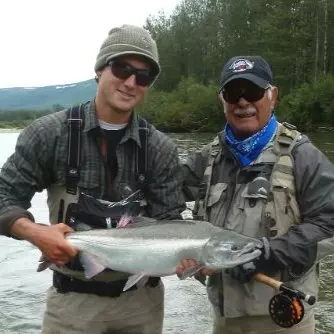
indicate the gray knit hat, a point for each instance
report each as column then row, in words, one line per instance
column 128, row 40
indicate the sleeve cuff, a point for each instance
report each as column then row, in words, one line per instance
column 8, row 218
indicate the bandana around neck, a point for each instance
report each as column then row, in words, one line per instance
column 248, row 150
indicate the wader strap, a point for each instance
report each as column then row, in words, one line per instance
column 75, row 124
column 141, row 154
column 286, row 138
column 64, row 284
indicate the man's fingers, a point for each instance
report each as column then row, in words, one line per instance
column 68, row 249
column 64, row 251
column 186, row 264
column 60, row 262
column 190, row 263
column 65, row 246
column 207, row 272
column 63, row 228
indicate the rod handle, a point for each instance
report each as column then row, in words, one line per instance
column 268, row 281
column 278, row 285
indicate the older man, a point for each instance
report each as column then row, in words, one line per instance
column 263, row 179
column 86, row 157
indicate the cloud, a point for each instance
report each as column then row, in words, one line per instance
column 56, row 42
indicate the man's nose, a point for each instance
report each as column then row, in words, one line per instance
column 243, row 103
column 130, row 81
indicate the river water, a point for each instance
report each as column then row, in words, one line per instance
column 23, row 290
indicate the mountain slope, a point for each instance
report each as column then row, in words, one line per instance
column 46, row 97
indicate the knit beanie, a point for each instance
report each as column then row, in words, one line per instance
column 128, row 40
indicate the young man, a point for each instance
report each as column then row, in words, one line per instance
column 263, row 179
column 114, row 155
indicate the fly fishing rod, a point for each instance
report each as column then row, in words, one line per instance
column 286, row 307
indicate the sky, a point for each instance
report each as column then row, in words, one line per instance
column 52, row 42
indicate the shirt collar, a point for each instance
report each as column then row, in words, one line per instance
column 91, row 122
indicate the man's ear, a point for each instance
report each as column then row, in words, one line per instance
column 97, row 76
column 274, row 96
column 220, row 97
column 221, row 100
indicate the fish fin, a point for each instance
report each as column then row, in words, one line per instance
column 91, row 264
column 189, row 272
column 124, row 221
column 139, row 279
column 42, row 258
column 44, row 263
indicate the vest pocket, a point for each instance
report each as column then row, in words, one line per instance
column 281, row 211
column 217, row 193
column 250, row 212
column 216, row 203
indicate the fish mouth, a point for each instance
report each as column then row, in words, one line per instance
column 233, row 255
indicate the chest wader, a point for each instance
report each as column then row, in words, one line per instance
column 88, row 212
column 280, row 210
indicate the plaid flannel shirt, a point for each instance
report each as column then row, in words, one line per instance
column 40, row 160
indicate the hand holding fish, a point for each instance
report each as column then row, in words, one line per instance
column 155, row 248
column 52, row 243
column 264, row 263
column 188, row 264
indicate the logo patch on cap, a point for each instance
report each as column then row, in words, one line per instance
column 241, row 65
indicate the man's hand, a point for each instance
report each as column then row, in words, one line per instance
column 52, row 243
column 50, row 239
column 188, row 264
column 243, row 273
column 265, row 263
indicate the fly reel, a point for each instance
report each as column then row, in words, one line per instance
column 286, row 310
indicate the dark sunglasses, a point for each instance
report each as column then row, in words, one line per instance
column 249, row 91
column 123, row 70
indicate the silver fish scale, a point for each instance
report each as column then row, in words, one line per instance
column 178, row 229
column 150, row 247
column 155, row 248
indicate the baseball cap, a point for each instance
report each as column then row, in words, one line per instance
column 253, row 68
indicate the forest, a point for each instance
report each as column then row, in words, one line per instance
column 295, row 36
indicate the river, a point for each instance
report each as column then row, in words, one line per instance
column 23, row 290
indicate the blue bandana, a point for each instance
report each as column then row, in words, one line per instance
column 248, row 150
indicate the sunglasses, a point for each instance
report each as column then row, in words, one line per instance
column 249, row 91
column 122, row 70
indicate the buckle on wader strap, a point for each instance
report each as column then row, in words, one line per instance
column 75, row 124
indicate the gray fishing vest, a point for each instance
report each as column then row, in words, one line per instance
column 269, row 211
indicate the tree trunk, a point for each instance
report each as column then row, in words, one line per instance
column 316, row 58
column 325, row 36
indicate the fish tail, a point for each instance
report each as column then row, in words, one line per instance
column 44, row 263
